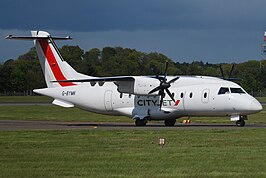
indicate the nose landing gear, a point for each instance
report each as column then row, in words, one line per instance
column 241, row 121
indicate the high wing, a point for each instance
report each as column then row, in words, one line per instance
column 137, row 85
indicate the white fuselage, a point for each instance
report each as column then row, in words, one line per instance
column 195, row 96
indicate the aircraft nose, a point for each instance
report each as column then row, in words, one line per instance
column 256, row 106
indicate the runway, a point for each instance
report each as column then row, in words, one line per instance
column 17, row 125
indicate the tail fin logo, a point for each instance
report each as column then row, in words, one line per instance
column 53, row 63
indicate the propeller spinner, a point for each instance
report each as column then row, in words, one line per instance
column 164, row 85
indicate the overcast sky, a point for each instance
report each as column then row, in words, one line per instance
column 213, row 31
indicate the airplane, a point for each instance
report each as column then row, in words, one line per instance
column 143, row 98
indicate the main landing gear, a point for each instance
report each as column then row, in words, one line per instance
column 169, row 122
column 141, row 122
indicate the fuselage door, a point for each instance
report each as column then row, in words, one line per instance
column 205, row 95
column 108, row 100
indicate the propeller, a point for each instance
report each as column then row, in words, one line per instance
column 230, row 73
column 164, row 85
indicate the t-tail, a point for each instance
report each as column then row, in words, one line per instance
column 53, row 65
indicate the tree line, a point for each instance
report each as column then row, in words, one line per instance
column 24, row 74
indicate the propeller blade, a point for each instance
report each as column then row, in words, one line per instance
column 155, row 89
column 222, row 71
column 161, row 101
column 173, row 80
column 231, row 71
column 166, row 68
column 170, row 94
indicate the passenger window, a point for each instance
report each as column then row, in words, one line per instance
column 237, row 90
column 205, row 95
column 181, row 95
column 223, row 90
column 190, row 95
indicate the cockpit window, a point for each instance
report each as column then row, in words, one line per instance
column 237, row 90
column 223, row 90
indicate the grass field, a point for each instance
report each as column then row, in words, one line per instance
column 238, row 152
column 25, row 99
column 55, row 113
column 100, row 153
column 261, row 99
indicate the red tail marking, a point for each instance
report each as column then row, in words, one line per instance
column 53, row 63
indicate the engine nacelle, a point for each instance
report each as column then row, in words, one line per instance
column 140, row 86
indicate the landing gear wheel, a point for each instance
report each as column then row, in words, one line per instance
column 169, row 122
column 140, row 122
column 240, row 123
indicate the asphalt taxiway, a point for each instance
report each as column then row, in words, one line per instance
column 16, row 125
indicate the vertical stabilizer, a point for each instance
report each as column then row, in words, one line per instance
column 53, row 65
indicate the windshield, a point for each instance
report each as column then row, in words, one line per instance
column 237, row 90
column 223, row 90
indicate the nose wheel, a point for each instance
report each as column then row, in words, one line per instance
column 240, row 123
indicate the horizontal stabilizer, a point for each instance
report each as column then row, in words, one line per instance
column 62, row 103
column 37, row 37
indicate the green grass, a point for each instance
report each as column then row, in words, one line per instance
column 101, row 153
column 261, row 99
column 55, row 113
column 25, row 99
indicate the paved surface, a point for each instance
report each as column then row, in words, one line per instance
column 51, row 125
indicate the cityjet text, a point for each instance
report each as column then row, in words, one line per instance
column 154, row 103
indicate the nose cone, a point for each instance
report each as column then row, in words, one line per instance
column 255, row 106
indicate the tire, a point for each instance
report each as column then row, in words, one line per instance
column 240, row 123
column 140, row 122
column 169, row 122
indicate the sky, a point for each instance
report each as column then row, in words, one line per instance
column 213, row 31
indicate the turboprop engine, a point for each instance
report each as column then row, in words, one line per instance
column 139, row 86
